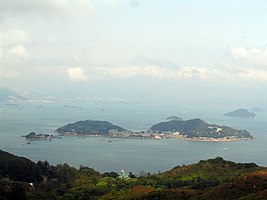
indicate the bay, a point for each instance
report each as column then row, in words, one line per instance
column 130, row 154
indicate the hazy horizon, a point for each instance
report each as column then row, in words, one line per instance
column 163, row 51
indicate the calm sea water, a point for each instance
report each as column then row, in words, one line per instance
column 130, row 154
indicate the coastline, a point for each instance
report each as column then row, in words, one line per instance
column 217, row 140
column 201, row 139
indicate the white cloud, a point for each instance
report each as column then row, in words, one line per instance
column 10, row 74
column 194, row 72
column 76, row 74
column 111, row 2
column 14, row 37
column 60, row 8
column 222, row 74
column 186, row 72
column 19, row 52
column 79, row 74
column 255, row 74
column 53, row 39
column 133, row 71
column 250, row 56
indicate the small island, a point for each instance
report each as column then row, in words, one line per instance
column 174, row 118
column 241, row 113
column 194, row 129
column 37, row 136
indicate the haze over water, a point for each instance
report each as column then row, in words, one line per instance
column 131, row 154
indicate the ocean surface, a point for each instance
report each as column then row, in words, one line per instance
column 134, row 155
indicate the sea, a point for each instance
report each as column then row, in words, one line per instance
column 135, row 155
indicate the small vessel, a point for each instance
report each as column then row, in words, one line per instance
column 109, row 140
column 28, row 142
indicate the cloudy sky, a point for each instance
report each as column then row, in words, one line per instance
column 143, row 50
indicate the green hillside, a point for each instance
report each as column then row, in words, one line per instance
column 18, row 168
column 208, row 179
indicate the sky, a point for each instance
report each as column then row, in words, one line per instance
column 212, row 51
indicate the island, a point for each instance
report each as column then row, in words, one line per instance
column 88, row 127
column 241, row 113
column 37, row 136
column 194, row 129
column 197, row 129
column 174, row 118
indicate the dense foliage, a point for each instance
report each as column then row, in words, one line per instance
column 208, row 179
column 18, row 168
column 181, row 126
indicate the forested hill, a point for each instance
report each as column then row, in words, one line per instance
column 179, row 125
column 89, row 127
column 18, row 168
column 199, row 128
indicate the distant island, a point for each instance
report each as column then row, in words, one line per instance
column 174, row 118
column 194, row 129
column 241, row 113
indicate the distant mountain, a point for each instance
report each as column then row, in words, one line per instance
column 174, row 118
column 241, row 113
column 256, row 109
column 7, row 94
column 88, row 127
column 199, row 128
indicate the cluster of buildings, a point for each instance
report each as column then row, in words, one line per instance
column 170, row 134
column 138, row 134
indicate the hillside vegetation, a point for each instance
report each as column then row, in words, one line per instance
column 208, row 179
